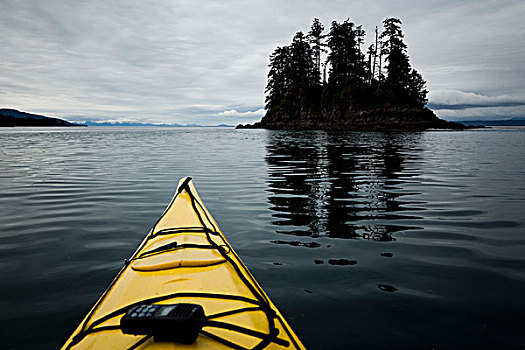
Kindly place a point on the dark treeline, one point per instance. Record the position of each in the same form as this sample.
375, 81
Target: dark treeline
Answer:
299, 84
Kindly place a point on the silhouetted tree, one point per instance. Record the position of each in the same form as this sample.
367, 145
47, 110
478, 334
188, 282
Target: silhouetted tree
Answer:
278, 86
394, 48
376, 44
406, 85
380, 75
417, 91
355, 81
302, 71
346, 60
370, 63
315, 37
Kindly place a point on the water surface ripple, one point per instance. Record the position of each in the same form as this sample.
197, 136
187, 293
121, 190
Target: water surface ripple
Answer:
363, 239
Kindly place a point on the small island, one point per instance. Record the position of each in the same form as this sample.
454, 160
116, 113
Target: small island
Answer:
12, 117
378, 90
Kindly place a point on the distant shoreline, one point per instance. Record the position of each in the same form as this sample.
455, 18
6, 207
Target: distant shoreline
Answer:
505, 122
132, 124
16, 118
13, 118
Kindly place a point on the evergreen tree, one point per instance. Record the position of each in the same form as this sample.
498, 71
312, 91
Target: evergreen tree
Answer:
347, 66
302, 71
370, 63
398, 68
406, 84
315, 37
375, 53
355, 81
278, 86
417, 90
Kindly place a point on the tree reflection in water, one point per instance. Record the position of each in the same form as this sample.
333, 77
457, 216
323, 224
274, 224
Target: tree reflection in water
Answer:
342, 185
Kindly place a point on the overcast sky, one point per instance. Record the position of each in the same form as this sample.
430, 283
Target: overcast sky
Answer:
206, 61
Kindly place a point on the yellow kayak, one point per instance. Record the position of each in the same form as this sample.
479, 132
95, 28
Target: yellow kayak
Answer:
184, 288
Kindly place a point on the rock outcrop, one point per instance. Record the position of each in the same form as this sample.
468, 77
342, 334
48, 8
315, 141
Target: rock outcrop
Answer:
380, 119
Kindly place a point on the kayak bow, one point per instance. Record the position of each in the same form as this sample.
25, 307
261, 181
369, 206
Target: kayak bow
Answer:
185, 259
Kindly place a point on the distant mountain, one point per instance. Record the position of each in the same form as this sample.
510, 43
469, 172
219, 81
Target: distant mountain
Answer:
101, 123
12, 117
95, 123
507, 122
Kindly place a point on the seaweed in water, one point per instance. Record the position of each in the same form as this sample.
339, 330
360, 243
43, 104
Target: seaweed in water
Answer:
341, 262
387, 288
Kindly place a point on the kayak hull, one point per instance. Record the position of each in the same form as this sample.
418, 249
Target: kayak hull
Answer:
185, 258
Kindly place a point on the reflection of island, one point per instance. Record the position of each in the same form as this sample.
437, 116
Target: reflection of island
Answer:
342, 185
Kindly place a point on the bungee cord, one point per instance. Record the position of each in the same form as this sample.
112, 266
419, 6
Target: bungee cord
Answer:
260, 301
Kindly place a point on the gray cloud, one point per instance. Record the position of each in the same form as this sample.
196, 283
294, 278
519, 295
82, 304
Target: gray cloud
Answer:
186, 62
459, 105
481, 113
457, 98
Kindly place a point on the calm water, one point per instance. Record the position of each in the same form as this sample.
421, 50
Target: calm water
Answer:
363, 240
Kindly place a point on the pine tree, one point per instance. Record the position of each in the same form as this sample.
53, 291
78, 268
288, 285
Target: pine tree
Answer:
417, 90
315, 37
406, 84
347, 66
376, 47
370, 64
398, 68
302, 71
278, 86
355, 81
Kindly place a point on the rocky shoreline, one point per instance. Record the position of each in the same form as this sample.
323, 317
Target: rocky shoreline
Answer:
374, 119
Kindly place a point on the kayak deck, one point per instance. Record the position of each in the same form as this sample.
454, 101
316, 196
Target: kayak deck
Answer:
186, 259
